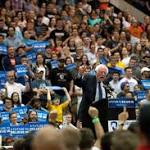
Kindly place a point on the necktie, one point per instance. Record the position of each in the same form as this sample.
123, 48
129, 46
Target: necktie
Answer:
100, 90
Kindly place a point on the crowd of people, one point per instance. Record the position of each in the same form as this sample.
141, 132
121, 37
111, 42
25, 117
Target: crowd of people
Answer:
60, 63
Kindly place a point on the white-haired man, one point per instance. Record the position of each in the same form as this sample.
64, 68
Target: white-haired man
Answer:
95, 94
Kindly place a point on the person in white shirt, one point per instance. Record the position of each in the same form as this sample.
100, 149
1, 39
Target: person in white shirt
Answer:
11, 86
125, 55
129, 78
92, 54
114, 83
67, 121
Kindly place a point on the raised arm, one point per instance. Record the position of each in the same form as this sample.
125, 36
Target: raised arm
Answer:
67, 95
122, 117
49, 96
93, 112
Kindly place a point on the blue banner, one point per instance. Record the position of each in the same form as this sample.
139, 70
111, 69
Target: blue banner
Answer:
21, 70
3, 49
2, 79
146, 84
71, 67
29, 42
42, 115
54, 88
54, 64
40, 46
140, 95
35, 126
21, 111
116, 69
4, 116
5, 130
31, 55
121, 102
18, 131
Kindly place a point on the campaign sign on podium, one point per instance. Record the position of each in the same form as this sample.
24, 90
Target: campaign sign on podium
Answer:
117, 105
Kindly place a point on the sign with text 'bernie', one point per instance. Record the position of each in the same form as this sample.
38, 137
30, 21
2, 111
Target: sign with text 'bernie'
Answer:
5, 130
140, 95
40, 46
55, 64
4, 116
21, 112
70, 67
21, 70
42, 115
31, 55
121, 102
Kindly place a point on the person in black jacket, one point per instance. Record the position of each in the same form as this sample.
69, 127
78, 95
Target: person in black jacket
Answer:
94, 94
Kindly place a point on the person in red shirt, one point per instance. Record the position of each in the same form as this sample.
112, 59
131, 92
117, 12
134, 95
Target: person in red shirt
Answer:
144, 125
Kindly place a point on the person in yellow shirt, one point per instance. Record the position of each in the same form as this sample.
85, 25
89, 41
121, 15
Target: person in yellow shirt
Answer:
115, 61
55, 105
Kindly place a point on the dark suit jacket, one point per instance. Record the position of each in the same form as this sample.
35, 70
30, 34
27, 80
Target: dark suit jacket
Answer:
89, 85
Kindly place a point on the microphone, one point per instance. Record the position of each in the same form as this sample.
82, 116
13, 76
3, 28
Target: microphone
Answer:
108, 88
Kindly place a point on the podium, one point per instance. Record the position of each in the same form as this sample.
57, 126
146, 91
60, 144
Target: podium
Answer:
115, 107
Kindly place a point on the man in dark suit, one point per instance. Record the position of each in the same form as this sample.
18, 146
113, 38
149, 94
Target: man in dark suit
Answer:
94, 94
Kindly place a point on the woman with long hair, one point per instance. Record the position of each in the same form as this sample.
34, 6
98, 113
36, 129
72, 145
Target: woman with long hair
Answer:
40, 64
16, 100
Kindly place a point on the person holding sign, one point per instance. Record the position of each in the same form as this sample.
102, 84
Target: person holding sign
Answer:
55, 105
11, 86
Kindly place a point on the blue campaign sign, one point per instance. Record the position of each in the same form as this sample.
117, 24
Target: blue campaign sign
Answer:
71, 67
42, 115
121, 102
54, 64
40, 46
21, 111
140, 95
4, 116
31, 55
35, 126
21, 70
18, 131
55, 88
146, 84
116, 69
29, 42
2, 79
5, 130
3, 49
